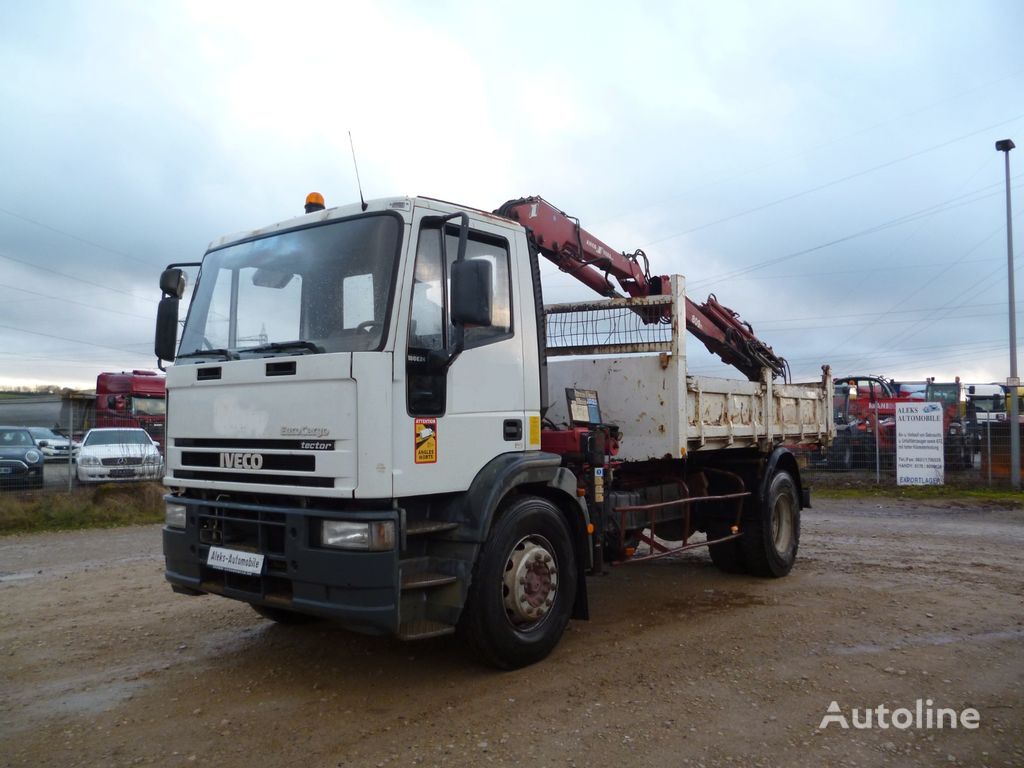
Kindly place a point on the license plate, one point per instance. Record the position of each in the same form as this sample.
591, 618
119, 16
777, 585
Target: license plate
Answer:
122, 473
237, 562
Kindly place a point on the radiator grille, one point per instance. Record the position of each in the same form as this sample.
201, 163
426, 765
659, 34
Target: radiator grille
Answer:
254, 477
122, 461
248, 530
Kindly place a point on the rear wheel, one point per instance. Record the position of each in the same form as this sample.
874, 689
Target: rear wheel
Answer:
771, 535
523, 586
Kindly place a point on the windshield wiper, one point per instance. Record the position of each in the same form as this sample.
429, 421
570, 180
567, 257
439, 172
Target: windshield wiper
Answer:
227, 354
283, 346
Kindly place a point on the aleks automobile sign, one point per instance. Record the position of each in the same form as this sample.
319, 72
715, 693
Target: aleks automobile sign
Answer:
919, 434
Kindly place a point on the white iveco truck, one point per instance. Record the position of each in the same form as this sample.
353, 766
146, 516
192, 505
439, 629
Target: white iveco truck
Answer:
373, 417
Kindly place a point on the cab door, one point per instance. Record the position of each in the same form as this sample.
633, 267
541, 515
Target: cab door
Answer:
455, 412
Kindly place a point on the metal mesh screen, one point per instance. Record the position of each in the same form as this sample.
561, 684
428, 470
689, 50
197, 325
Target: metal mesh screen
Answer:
610, 327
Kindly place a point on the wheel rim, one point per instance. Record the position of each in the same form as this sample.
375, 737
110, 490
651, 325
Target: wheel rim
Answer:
782, 523
530, 582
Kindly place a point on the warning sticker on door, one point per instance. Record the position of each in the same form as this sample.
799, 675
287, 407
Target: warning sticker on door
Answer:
426, 441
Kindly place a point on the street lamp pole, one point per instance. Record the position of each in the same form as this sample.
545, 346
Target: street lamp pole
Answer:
1013, 382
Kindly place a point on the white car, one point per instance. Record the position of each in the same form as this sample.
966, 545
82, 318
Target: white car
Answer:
53, 445
115, 454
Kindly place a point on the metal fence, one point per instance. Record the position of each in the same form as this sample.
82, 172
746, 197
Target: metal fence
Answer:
41, 439
981, 458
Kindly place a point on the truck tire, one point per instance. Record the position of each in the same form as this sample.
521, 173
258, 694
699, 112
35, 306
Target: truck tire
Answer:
523, 587
771, 531
283, 615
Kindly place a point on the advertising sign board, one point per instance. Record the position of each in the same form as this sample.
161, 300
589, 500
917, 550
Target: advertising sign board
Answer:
919, 449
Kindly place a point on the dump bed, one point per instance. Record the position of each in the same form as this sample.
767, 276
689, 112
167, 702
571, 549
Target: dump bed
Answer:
638, 370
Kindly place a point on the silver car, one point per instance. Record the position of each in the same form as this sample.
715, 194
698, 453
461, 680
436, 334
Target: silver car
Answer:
118, 454
53, 445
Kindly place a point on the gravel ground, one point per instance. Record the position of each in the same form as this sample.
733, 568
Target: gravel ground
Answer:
680, 666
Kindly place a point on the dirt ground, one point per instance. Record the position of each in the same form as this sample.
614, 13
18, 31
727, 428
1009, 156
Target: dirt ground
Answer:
100, 664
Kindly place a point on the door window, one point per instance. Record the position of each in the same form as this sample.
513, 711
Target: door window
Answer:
430, 326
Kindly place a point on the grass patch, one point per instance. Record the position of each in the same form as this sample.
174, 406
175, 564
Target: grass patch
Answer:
106, 506
853, 487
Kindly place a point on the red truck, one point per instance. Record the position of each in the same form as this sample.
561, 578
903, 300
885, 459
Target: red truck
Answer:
865, 409
132, 399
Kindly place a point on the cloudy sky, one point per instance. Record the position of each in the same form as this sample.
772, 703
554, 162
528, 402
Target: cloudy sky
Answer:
826, 169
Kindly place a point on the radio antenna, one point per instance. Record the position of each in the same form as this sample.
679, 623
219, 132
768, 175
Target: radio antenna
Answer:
354, 163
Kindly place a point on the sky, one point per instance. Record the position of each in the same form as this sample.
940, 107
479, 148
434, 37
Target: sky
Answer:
826, 169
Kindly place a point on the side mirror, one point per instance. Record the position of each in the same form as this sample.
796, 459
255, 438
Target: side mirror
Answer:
172, 282
166, 340
471, 292
112, 402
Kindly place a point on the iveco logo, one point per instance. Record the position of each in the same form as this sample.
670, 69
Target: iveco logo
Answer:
241, 460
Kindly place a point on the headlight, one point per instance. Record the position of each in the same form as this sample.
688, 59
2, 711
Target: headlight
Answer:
89, 460
151, 458
33, 456
174, 515
371, 537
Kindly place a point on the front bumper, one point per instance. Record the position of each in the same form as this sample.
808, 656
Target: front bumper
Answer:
360, 589
58, 454
20, 474
101, 474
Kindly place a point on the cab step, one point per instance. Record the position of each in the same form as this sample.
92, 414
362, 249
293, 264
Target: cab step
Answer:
427, 527
421, 629
423, 580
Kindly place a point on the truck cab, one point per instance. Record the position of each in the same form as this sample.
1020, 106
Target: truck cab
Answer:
334, 342
132, 399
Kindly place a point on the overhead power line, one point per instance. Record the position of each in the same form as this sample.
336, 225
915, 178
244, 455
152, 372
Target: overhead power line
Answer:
833, 183
64, 300
8, 257
66, 338
955, 202
80, 239
804, 150
813, 318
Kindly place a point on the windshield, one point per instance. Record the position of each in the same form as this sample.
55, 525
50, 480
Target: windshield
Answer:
322, 288
118, 437
42, 433
9, 437
989, 404
149, 406
947, 394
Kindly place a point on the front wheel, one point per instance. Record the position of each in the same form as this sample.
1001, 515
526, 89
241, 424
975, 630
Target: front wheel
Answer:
523, 586
772, 535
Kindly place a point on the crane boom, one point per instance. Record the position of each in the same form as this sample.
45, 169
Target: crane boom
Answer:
560, 239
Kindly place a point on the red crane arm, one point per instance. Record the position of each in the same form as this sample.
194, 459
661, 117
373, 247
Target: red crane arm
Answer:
561, 240
574, 250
